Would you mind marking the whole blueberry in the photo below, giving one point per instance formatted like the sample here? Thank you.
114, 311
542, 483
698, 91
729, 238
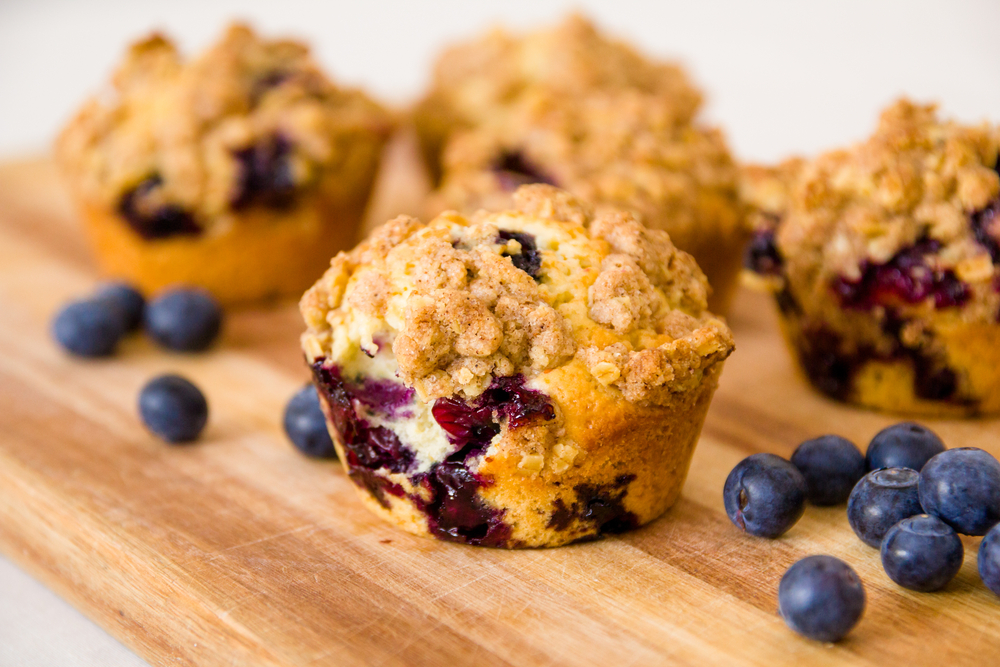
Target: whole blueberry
989, 560
903, 445
127, 299
88, 328
821, 597
184, 319
922, 553
831, 465
305, 424
764, 495
173, 408
880, 500
962, 487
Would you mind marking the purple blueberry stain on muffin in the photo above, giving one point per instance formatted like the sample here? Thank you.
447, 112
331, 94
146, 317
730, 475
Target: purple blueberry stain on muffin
832, 367
265, 175
513, 169
144, 210
906, 277
529, 259
450, 500
985, 228
598, 507
762, 255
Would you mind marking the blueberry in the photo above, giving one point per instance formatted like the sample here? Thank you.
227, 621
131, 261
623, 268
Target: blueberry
127, 299
903, 445
88, 328
183, 319
880, 500
922, 553
962, 487
989, 560
764, 495
305, 424
173, 408
831, 465
821, 597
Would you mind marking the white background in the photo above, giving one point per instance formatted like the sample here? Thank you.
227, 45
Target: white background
781, 77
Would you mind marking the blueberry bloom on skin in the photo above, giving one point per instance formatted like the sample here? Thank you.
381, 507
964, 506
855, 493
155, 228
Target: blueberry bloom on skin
764, 495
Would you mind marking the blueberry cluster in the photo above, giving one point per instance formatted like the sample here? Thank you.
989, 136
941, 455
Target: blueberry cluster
908, 496
180, 319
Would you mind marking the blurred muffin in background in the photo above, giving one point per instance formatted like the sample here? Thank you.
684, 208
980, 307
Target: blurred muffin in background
569, 107
883, 260
241, 171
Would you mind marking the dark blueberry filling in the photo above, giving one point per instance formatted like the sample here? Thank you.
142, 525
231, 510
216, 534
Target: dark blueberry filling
454, 510
599, 506
762, 255
152, 221
368, 447
907, 278
384, 396
831, 368
476, 423
984, 227
529, 259
265, 175
513, 169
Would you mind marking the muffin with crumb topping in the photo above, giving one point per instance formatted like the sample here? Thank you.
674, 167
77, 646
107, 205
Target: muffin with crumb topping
883, 259
523, 378
241, 171
571, 108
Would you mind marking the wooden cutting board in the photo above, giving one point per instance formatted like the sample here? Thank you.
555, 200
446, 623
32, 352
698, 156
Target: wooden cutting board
238, 551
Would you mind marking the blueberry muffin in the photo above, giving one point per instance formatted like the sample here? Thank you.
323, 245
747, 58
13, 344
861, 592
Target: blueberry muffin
523, 378
476, 80
593, 117
883, 262
241, 171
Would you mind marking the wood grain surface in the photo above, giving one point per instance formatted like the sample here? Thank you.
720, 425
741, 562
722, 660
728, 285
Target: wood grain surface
238, 551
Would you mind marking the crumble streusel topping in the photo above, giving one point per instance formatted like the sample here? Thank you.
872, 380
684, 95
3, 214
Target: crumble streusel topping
459, 304
917, 178
248, 122
475, 80
627, 149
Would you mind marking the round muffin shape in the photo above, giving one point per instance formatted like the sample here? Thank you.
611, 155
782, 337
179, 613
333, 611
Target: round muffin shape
962, 487
831, 466
240, 171
903, 445
880, 500
764, 495
922, 553
821, 598
883, 259
599, 120
525, 378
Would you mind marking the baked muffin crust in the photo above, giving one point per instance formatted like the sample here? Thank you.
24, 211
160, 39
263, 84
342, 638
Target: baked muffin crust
250, 122
885, 255
525, 378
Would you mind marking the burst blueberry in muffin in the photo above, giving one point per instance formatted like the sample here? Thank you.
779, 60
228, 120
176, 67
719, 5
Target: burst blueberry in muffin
523, 378
572, 108
240, 171
883, 261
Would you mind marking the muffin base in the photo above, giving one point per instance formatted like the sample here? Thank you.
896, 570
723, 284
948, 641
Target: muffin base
889, 384
614, 466
263, 254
